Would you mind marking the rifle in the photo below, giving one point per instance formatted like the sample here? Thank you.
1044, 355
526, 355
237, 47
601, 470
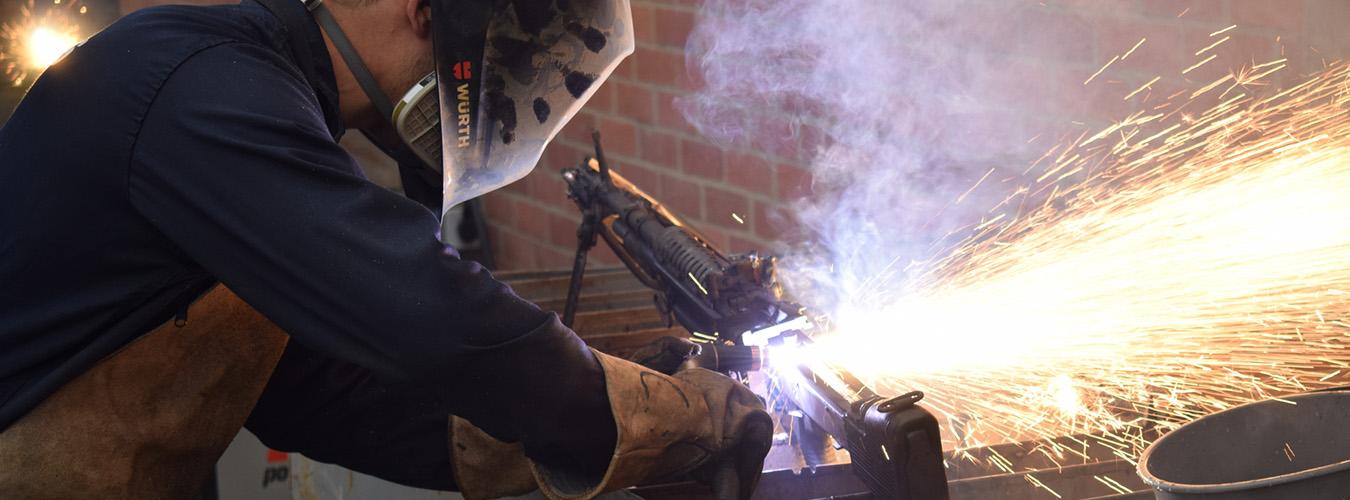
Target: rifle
733, 301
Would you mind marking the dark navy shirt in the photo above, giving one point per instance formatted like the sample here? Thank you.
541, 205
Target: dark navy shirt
184, 146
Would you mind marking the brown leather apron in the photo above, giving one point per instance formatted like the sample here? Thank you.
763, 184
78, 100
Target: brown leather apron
149, 421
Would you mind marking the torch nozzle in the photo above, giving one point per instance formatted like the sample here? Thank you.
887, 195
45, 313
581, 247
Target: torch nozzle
725, 358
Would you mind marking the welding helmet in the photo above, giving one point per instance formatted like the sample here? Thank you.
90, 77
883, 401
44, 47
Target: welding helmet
509, 74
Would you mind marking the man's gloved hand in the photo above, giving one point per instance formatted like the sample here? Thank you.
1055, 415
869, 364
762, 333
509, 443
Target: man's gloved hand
695, 422
737, 468
743, 428
666, 354
744, 459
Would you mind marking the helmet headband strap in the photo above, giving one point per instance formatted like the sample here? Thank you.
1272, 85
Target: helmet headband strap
353, 59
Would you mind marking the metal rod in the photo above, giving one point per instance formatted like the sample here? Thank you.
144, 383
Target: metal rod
585, 240
600, 156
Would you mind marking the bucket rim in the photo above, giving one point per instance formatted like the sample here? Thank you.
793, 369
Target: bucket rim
1176, 487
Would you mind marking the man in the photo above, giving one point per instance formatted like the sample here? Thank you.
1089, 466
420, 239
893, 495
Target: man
188, 146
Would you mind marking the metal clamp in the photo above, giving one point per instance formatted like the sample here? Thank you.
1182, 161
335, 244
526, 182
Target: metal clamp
900, 402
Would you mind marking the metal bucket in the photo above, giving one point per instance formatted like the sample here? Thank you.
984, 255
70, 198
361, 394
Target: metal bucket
1260, 451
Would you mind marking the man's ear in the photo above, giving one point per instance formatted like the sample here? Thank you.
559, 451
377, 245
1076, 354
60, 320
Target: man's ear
418, 13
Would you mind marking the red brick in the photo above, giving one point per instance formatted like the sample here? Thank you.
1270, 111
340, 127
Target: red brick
555, 153
499, 209
1195, 10
494, 232
541, 186
550, 190
1242, 50
1303, 60
682, 196
688, 3
770, 222
777, 138
669, 115
746, 244
520, 187
1009, 82
513, 252
701, 159
1162, 52
563, 230
1058, 36
635, 102
644, 23
660, 67
673, 27
602, 254
531, 220
603, 100
750, 172
1115, 7
812, 143
718, 237
980, 36
552, 259
805, 106
730, 125
991, 130
627, 70
579, 128
562, 154
720, 203
659, 148
793, 182
1099, 100
1286, 16
644, 178
618, 138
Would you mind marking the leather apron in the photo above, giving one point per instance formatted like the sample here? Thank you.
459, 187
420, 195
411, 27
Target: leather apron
149, 421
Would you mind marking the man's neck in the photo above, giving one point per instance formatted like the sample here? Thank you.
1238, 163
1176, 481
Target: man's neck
353, 104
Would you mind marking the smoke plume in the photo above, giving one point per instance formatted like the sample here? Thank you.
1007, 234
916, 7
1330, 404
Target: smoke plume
898, 108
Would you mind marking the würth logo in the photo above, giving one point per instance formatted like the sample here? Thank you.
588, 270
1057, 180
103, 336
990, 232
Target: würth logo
462, 70
462, 109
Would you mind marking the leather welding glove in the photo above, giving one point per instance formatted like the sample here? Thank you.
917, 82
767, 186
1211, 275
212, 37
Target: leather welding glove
485, 467
696, 422
666, 354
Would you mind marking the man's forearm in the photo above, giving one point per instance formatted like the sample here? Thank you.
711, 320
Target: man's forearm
545, 390
337, 412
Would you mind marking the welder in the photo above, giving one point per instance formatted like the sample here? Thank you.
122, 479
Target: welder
185, 250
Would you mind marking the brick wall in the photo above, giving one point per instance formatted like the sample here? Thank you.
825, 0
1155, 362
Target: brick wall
1045, 51
1041, 83
532, 224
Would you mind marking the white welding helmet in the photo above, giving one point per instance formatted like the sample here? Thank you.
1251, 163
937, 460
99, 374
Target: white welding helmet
509, 75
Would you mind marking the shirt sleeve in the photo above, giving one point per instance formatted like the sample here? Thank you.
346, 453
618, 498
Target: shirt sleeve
234, 165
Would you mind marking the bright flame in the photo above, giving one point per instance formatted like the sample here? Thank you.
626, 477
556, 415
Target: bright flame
46, 46
1204, 263
38, 38
1065, 395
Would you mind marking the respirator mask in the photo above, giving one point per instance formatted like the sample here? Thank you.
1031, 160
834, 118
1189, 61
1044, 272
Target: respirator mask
509, 74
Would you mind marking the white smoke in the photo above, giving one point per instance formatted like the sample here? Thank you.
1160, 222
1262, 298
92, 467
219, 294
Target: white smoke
909, 99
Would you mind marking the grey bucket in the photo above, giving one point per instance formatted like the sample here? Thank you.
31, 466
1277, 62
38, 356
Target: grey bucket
1240, 454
